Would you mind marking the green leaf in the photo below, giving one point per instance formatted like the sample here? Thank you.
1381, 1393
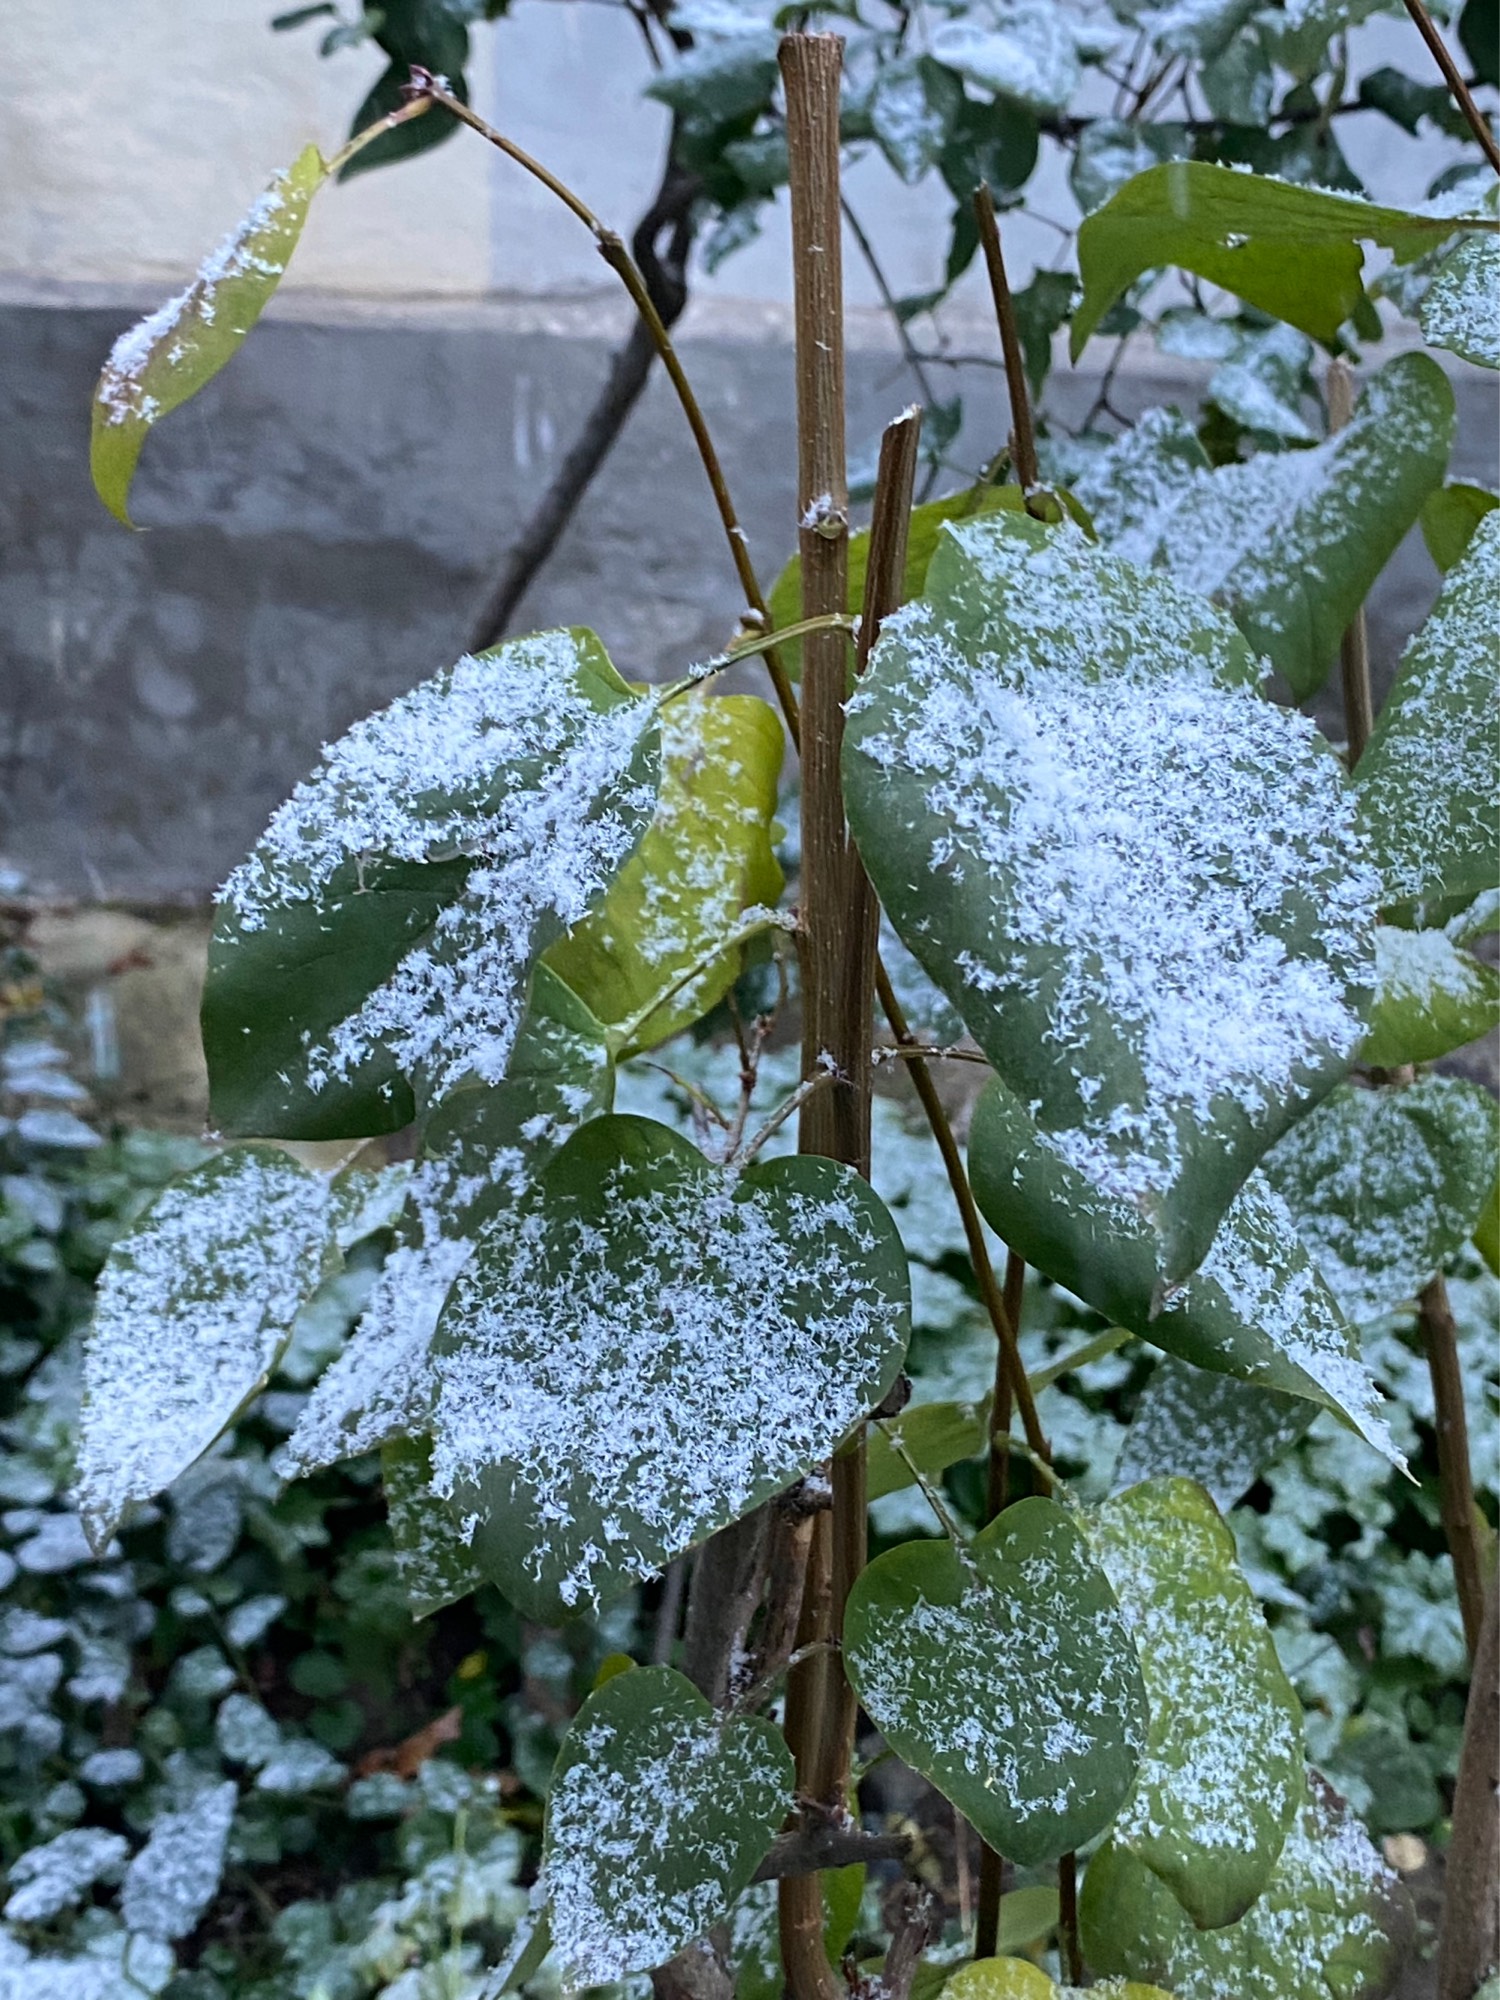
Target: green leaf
1407, 103
1427, 784
660, 1812
167, 357
923, 531
719, 80
417, 135
1018, 1979
1333, 1921
383, 931
1158, 933
933, 1436
1430, 998
1461, 310
1211, 1428
1040, 309
1256, 1307
1293, 251
1026, 52
1003, 1673
593, 1416
1385, 1185
481, 1146
194, 1307
1479, 32
1221, 1776
1450, 514
913, 109
1290, 543
705, 859
432, 1557
1264, 383
1111, 152
1132, 485
754, 1931
994, 140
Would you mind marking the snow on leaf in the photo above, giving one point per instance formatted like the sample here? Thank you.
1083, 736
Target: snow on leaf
705, 859
432, 1556
1332, 1920
1385, 1185
176, 1875
1140, 884
194, 1305
1431, 997
1211, 1428
167, 357
1132, 485
1256, 1308
1221, 1775
1289, 543
659, 1813
1462, 308
383, 932
1022, 49
480, 1146
1427, 785
47, 1879
913, 108
1004, 1674
647, 1346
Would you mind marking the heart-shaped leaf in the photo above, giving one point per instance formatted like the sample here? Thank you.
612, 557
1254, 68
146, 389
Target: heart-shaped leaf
1332, 1920
1221, 1775
704, 860
195, 1304
1019, 1979
647, 1347
1214, 1429
1290, 542
480, 1146
1385, 1185
1293, 251
1160, 933
384, 929
1427, 784
1256, 1307
1003, 1672
167, 357
660, 1812
1430, 998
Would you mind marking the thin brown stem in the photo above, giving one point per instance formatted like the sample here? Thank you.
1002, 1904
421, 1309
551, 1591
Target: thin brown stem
1354, 647
1471, 1921
1463, 97
1455, 1476
1022, 434
836, 988
1069, 1949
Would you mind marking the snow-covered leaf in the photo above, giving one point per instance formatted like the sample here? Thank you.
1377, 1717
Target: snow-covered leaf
436, 1564
175, 1877
1293, 251
660, 1812
1003, 1672
1431, 997
1140, 884
724, 77
159, 363
647, 1347
1255, 1308
1385, 1185
1263, 383
1211, 1428
1429, 784
481, 1144
47, 1879
194, 1305
913, 108
383, 931
1332, 1920
1289, 543
1021, 49
1450, 514
705, 859
1111, 152
1462, 308
1221, 1775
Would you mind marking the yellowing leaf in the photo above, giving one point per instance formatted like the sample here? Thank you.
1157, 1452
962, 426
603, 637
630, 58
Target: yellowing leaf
167, 357
1016, 1979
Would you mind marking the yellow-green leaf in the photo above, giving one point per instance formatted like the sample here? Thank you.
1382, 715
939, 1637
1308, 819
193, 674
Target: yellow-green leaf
1016, 1979
704, 860
1430, 998
167, 357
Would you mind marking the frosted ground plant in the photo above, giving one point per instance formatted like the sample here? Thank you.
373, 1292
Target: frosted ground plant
600, 1354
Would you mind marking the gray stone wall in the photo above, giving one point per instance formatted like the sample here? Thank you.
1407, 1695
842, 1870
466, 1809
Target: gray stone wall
321, 523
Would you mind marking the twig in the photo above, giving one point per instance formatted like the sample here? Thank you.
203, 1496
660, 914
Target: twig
813, 1848
1069, 1949
402, 115
929, 1492
1354, 646
1455, 1477
884, 1053
1471, 1922
1463, 97
1023, 436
